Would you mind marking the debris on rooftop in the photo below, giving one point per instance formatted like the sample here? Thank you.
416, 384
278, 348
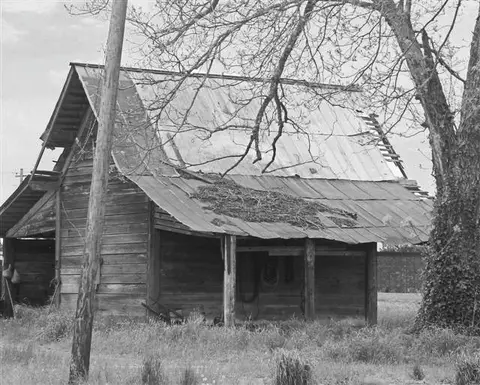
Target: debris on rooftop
225, 197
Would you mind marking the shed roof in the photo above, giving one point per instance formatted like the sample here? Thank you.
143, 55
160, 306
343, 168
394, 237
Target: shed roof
385, 211
27, 194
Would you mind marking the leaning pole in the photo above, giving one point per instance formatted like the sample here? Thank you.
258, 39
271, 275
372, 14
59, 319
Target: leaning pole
82, 333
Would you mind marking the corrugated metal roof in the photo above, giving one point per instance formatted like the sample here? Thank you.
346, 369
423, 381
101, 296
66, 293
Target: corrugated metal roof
332, 153
386, 211
328, 141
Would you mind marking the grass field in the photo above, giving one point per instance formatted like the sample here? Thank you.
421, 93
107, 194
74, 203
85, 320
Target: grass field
34, 349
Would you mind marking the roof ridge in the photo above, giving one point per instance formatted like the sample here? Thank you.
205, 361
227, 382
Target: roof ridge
288, 81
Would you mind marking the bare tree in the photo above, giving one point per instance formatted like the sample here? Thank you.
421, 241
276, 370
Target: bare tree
399, 52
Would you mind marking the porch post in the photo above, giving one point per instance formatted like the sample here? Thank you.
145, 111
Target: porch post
229, 251
371, 284
58, 246
309, 263
154, 267
8, 259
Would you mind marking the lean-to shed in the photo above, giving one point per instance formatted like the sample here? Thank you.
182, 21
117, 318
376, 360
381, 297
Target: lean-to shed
298, 240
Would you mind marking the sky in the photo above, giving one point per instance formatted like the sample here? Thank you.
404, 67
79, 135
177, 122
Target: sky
38, 39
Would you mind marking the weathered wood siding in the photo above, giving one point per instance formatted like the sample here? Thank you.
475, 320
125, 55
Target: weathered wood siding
35, 261
192, 277
340, 286
191, 273
124, 245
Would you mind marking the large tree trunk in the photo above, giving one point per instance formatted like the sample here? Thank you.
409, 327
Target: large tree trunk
452, 272
451, 275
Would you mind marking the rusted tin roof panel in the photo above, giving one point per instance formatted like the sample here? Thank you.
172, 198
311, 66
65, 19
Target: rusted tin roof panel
378, 220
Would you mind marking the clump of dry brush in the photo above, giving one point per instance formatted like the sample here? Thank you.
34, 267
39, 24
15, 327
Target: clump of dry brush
226, 197
292, 370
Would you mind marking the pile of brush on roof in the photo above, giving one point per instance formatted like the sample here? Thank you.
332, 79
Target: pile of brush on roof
225, 197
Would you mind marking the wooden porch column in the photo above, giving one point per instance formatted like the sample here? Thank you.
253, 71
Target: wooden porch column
229, 253
153, 261
371, 284
309, 279
58, 246
8, 259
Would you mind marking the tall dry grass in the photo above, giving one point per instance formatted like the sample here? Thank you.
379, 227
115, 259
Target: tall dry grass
35, 348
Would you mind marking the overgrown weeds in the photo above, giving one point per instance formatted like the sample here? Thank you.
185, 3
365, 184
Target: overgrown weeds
467, 370
221, 351
153, 372
291, 369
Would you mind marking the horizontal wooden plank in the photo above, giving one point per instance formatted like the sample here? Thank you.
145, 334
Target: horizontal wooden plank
110, 269
116, 239
109, 229
133, 248
108, 259
134, 208
79, 202
114, 304
394, 254
78, 179
181, 230
110, 220
113, 278
113, 189
298, 251
108, 288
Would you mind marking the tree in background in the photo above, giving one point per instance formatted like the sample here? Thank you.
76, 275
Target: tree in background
400, 52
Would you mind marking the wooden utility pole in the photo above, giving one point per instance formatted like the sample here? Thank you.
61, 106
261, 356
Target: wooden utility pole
82, 335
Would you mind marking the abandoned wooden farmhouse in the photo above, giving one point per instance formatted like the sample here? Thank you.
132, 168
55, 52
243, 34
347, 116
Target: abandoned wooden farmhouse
299, 240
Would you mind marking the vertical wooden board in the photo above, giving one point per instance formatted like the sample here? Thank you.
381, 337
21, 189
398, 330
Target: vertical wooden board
229, 279
58, 237
371, 284
309, 279
191, 273
153, 278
